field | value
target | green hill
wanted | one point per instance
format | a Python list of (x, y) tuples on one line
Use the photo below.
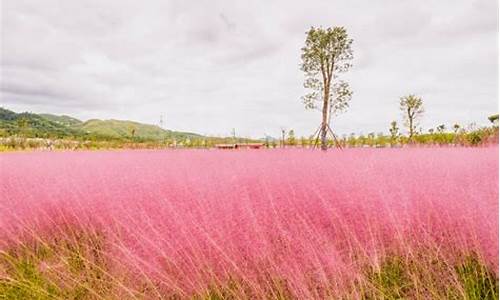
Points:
[(54, 126), (63, 119), (32, 125), (128, 129)]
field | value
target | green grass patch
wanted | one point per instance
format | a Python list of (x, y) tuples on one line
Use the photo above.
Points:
[(477, 280), (75, 267)]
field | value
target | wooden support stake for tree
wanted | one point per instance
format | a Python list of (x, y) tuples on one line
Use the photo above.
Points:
[(334, 137), (316, 134), (330, 131)]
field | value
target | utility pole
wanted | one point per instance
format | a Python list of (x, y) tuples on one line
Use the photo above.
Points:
[(161, 126), (161, 121)]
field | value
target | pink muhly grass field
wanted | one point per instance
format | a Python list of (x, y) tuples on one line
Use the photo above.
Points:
[(252, 224)]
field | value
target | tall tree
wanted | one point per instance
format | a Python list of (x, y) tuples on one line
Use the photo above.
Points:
[(441, 128), (493, 119), (326, 54), (291, 138), (412, 108), (394, 131), (283, 141)]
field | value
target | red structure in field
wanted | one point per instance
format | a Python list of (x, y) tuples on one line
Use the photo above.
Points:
[(240, 146)]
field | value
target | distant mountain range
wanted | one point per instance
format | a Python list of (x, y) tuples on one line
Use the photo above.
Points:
[(55, 126)]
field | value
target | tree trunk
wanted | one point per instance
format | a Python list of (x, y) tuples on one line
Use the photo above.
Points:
[(324, 123), (411, 129)]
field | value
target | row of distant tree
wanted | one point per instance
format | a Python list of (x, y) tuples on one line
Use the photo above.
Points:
[(456, 134), (441, 135), (10, 143)]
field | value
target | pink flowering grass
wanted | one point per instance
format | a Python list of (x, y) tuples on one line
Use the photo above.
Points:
[(277, 224)]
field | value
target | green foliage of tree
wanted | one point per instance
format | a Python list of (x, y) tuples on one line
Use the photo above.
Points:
[(441, 128), (474, 138), (326, 54), (412, 108), (291, 138), (494, 119), (394, 132)]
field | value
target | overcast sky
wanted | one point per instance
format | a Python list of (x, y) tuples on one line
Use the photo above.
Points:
[(210, 66)]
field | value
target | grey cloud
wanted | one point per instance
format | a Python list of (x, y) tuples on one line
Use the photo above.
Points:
[(214, 65), (229, 24), (20, 90)]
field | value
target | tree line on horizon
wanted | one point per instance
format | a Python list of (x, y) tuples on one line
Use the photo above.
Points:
[(456, 134)]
